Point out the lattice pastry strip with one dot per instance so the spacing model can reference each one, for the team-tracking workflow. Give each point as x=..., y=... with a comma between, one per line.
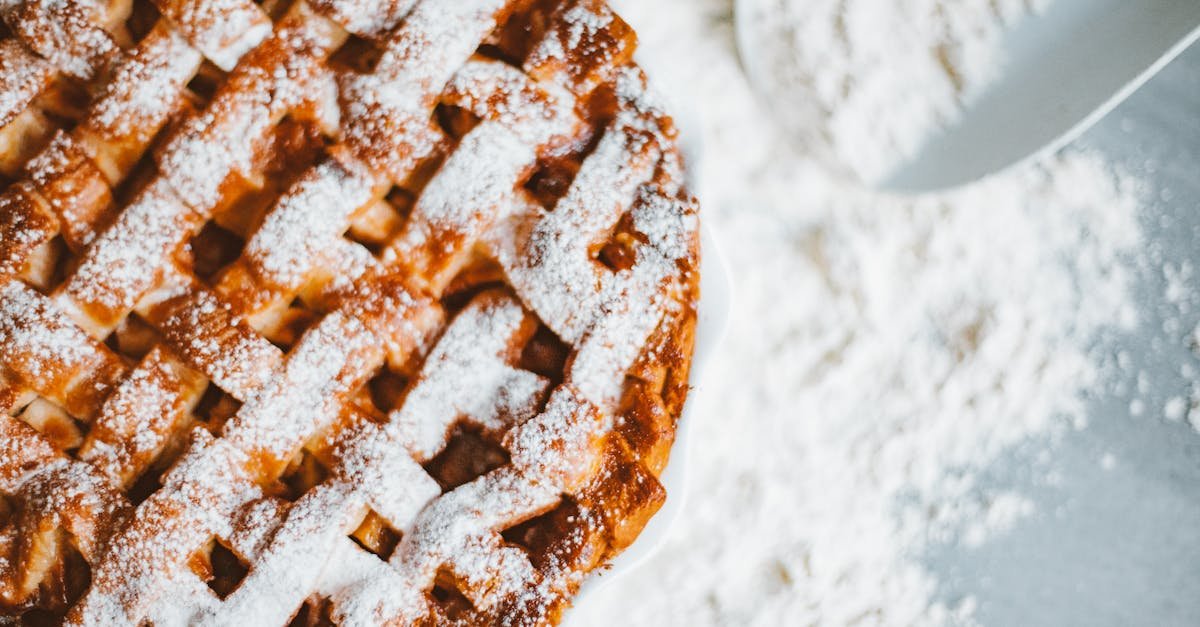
x=270, y=81
x=548, y=254
x=216, y=340
x=477, y=348
x=51, y=356
x=81, y=39
x=145, y=90
x=137, y=410
x=114, y=133
x=72, y=37
x=59, y=496
x=133, y=392
x=26, y=224
x=135, y=250
x=478, y=110
x=138, y=420
x=297, y=234
x=474, y=185
x=23, y=75
x=367, y=18
x=223, y=30
x=256, y=443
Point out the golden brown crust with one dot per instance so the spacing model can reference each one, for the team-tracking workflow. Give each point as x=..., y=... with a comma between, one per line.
x=282, y=337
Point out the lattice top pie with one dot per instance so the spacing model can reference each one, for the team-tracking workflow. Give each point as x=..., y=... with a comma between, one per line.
x=351, y=311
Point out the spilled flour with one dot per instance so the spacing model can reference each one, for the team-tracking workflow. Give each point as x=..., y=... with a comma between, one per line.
x=879, y=77
x=881, y=352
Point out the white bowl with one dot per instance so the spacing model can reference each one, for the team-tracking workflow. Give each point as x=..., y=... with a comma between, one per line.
x=1063, y=70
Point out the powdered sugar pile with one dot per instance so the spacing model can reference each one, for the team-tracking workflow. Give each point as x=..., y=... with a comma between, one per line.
x=882, y=351
x=879, y=77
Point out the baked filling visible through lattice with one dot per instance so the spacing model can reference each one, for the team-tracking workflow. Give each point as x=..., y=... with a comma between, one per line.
x=350, y=311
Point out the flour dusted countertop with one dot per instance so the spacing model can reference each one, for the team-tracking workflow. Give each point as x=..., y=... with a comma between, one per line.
x=944, y=410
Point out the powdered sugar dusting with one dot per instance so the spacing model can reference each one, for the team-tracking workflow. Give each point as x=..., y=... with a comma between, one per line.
x=22, y=76
x=41, y=345
x=21, y=452
x=65, y=34
x=220, y=344
x=388, y=110
x=212, y=146
x=23, y=227
x=583, y=22
x=137, y=100
x=555, y=447
x=434, y=41
x=137, y=420
x=666, y=223
x=126, y=261
x=456, y=530
x=293, y=562
x=222, y=140
x=497, y=91
x=553, y=271
x=472, y=350
x=331, y=359
x=378, y=463
x=898, y=346
x=367, y=18
x=222, y=29
x=314, y=212
x=842, y=73
x=467, y=192
x=475, y=186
